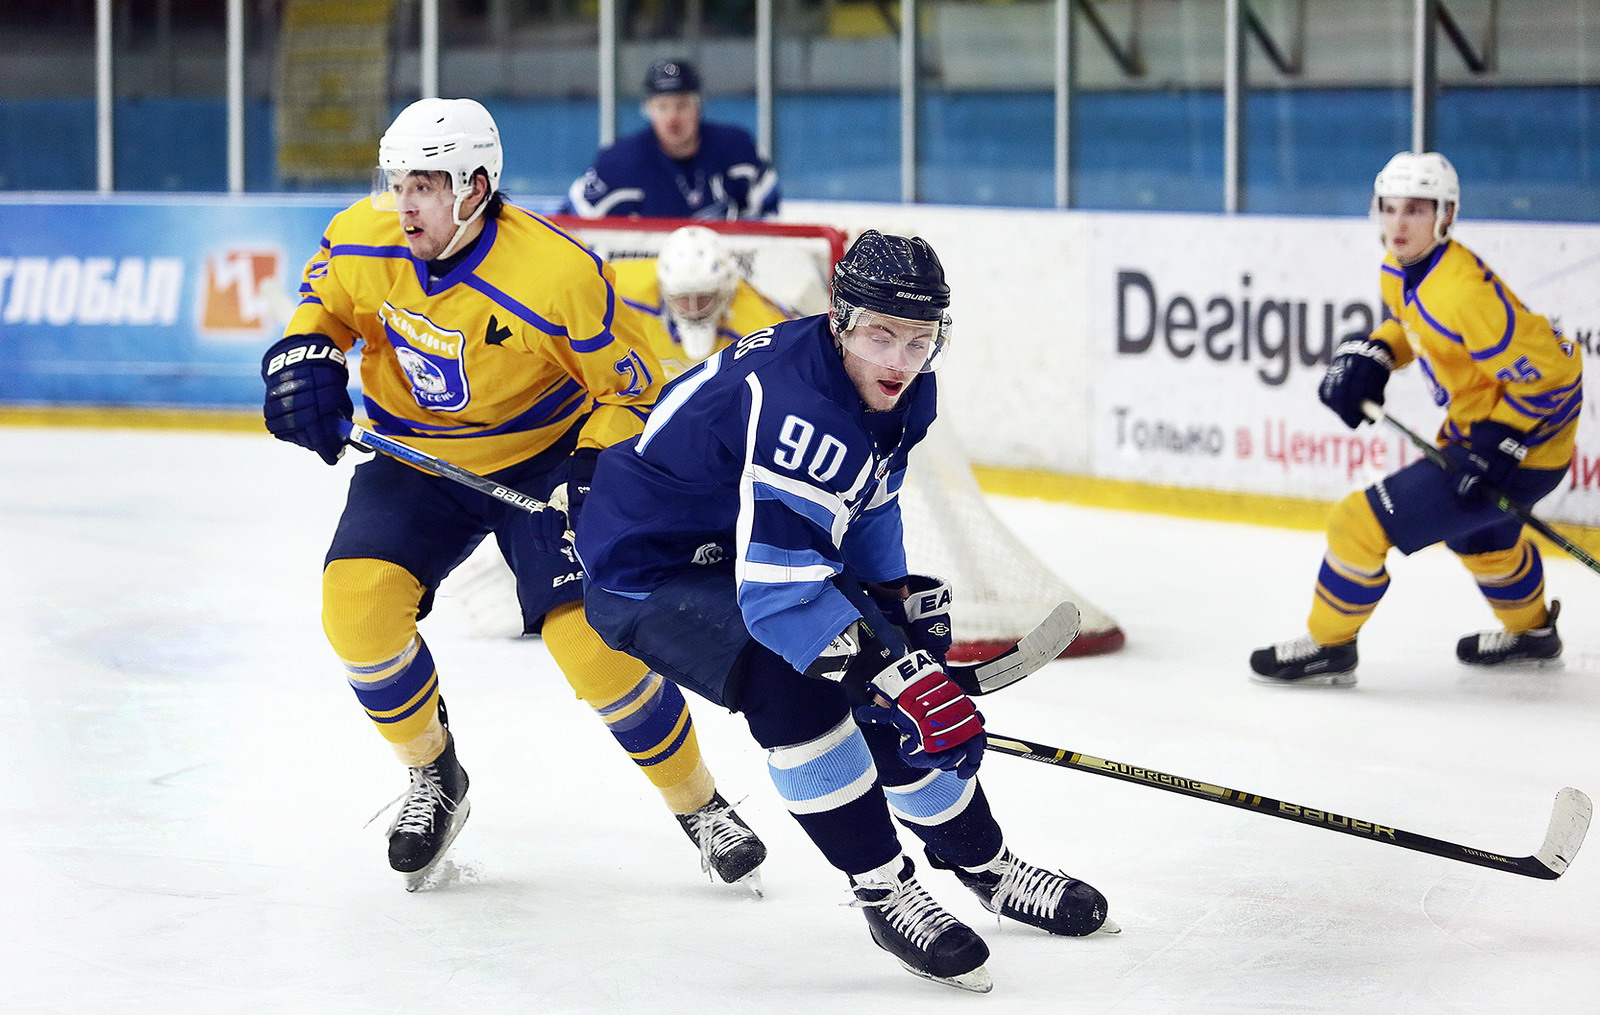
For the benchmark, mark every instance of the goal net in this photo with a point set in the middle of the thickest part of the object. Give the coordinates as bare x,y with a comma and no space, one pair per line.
1002,589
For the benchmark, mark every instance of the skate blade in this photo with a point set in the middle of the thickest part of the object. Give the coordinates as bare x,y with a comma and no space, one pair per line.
977,980
1109,927
1517,665
423,880
752,883
1345,679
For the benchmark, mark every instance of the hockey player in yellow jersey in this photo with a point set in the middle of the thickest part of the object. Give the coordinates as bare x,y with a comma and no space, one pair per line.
490,339
694,297
1512,388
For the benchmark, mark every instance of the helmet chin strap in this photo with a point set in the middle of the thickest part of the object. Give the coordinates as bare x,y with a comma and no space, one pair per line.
461,227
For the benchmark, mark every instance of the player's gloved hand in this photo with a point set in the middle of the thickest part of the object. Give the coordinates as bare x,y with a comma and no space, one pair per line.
1358,373
939,726
919,605
307,395
560,516
1493,451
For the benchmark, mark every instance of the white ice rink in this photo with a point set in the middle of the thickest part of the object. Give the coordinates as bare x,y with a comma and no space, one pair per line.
186,776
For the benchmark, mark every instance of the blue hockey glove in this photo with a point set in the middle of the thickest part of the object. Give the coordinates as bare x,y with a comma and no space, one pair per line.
919,605
939,726
560,516
1358,373
306,379
1493,451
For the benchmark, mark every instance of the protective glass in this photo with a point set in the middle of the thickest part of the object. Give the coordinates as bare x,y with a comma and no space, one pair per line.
410,190
896,342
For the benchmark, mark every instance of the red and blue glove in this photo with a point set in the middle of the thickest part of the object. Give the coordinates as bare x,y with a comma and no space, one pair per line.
939,725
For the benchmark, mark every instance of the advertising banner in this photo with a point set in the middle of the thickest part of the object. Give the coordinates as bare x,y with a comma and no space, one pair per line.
149,302
1210,336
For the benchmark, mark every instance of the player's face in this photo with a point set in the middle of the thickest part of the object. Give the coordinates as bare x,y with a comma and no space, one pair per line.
676,121
1407,224
883,355
426,206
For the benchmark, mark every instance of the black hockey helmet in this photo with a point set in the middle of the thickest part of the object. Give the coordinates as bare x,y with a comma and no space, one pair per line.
887,276
899,276
671,77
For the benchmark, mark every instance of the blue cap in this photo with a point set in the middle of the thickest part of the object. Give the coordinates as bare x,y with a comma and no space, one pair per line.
671,77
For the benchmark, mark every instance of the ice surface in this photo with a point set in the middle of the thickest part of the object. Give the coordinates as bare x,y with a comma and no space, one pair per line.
182,817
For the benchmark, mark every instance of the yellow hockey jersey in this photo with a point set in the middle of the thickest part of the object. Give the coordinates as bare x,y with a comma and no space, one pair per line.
492,363
641,289
1484,354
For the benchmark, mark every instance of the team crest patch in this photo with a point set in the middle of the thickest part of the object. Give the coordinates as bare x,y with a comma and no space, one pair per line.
431,356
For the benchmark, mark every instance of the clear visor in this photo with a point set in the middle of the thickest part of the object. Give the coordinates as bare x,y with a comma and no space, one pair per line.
895,342
411,190
696,306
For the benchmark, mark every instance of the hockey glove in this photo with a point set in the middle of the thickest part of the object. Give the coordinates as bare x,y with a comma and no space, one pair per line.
307,394
560,516
1493,451
919,605
1358,373
939,726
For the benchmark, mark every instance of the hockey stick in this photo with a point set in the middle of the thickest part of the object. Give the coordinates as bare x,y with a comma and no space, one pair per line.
1037,647
1040,645
1568,823
1375,412
361,437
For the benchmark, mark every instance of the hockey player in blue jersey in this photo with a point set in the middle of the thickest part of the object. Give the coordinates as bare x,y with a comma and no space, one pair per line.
680,166
749,547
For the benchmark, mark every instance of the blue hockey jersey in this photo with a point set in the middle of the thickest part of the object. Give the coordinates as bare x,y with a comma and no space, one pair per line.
764,454
726,179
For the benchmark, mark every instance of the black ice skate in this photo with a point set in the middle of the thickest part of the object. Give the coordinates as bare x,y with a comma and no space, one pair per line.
728,847
1045,899
432,811
1540,646
1304,663
906,922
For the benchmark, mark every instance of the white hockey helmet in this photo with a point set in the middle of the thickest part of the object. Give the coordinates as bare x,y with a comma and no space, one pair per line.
1426,175
455,136
698,277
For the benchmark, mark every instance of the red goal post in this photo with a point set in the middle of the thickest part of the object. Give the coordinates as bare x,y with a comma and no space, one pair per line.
788,262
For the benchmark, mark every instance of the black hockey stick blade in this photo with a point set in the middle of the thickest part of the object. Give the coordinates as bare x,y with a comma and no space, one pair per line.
1374,412
1039,646
361,437
1568,823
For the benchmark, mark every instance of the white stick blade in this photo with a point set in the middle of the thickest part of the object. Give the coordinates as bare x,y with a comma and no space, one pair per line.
1036,648
1568,825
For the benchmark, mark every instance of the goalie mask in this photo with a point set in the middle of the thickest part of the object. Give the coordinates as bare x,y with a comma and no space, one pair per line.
889,302
456,137
698,280
1426,175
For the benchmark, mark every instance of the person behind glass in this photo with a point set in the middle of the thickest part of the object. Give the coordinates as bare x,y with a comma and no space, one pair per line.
680,166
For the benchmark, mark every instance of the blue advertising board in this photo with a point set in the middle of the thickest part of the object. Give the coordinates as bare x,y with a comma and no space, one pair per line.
147,301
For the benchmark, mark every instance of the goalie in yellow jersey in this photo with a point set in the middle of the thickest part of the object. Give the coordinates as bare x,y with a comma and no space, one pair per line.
1512,388
695,298
490,339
